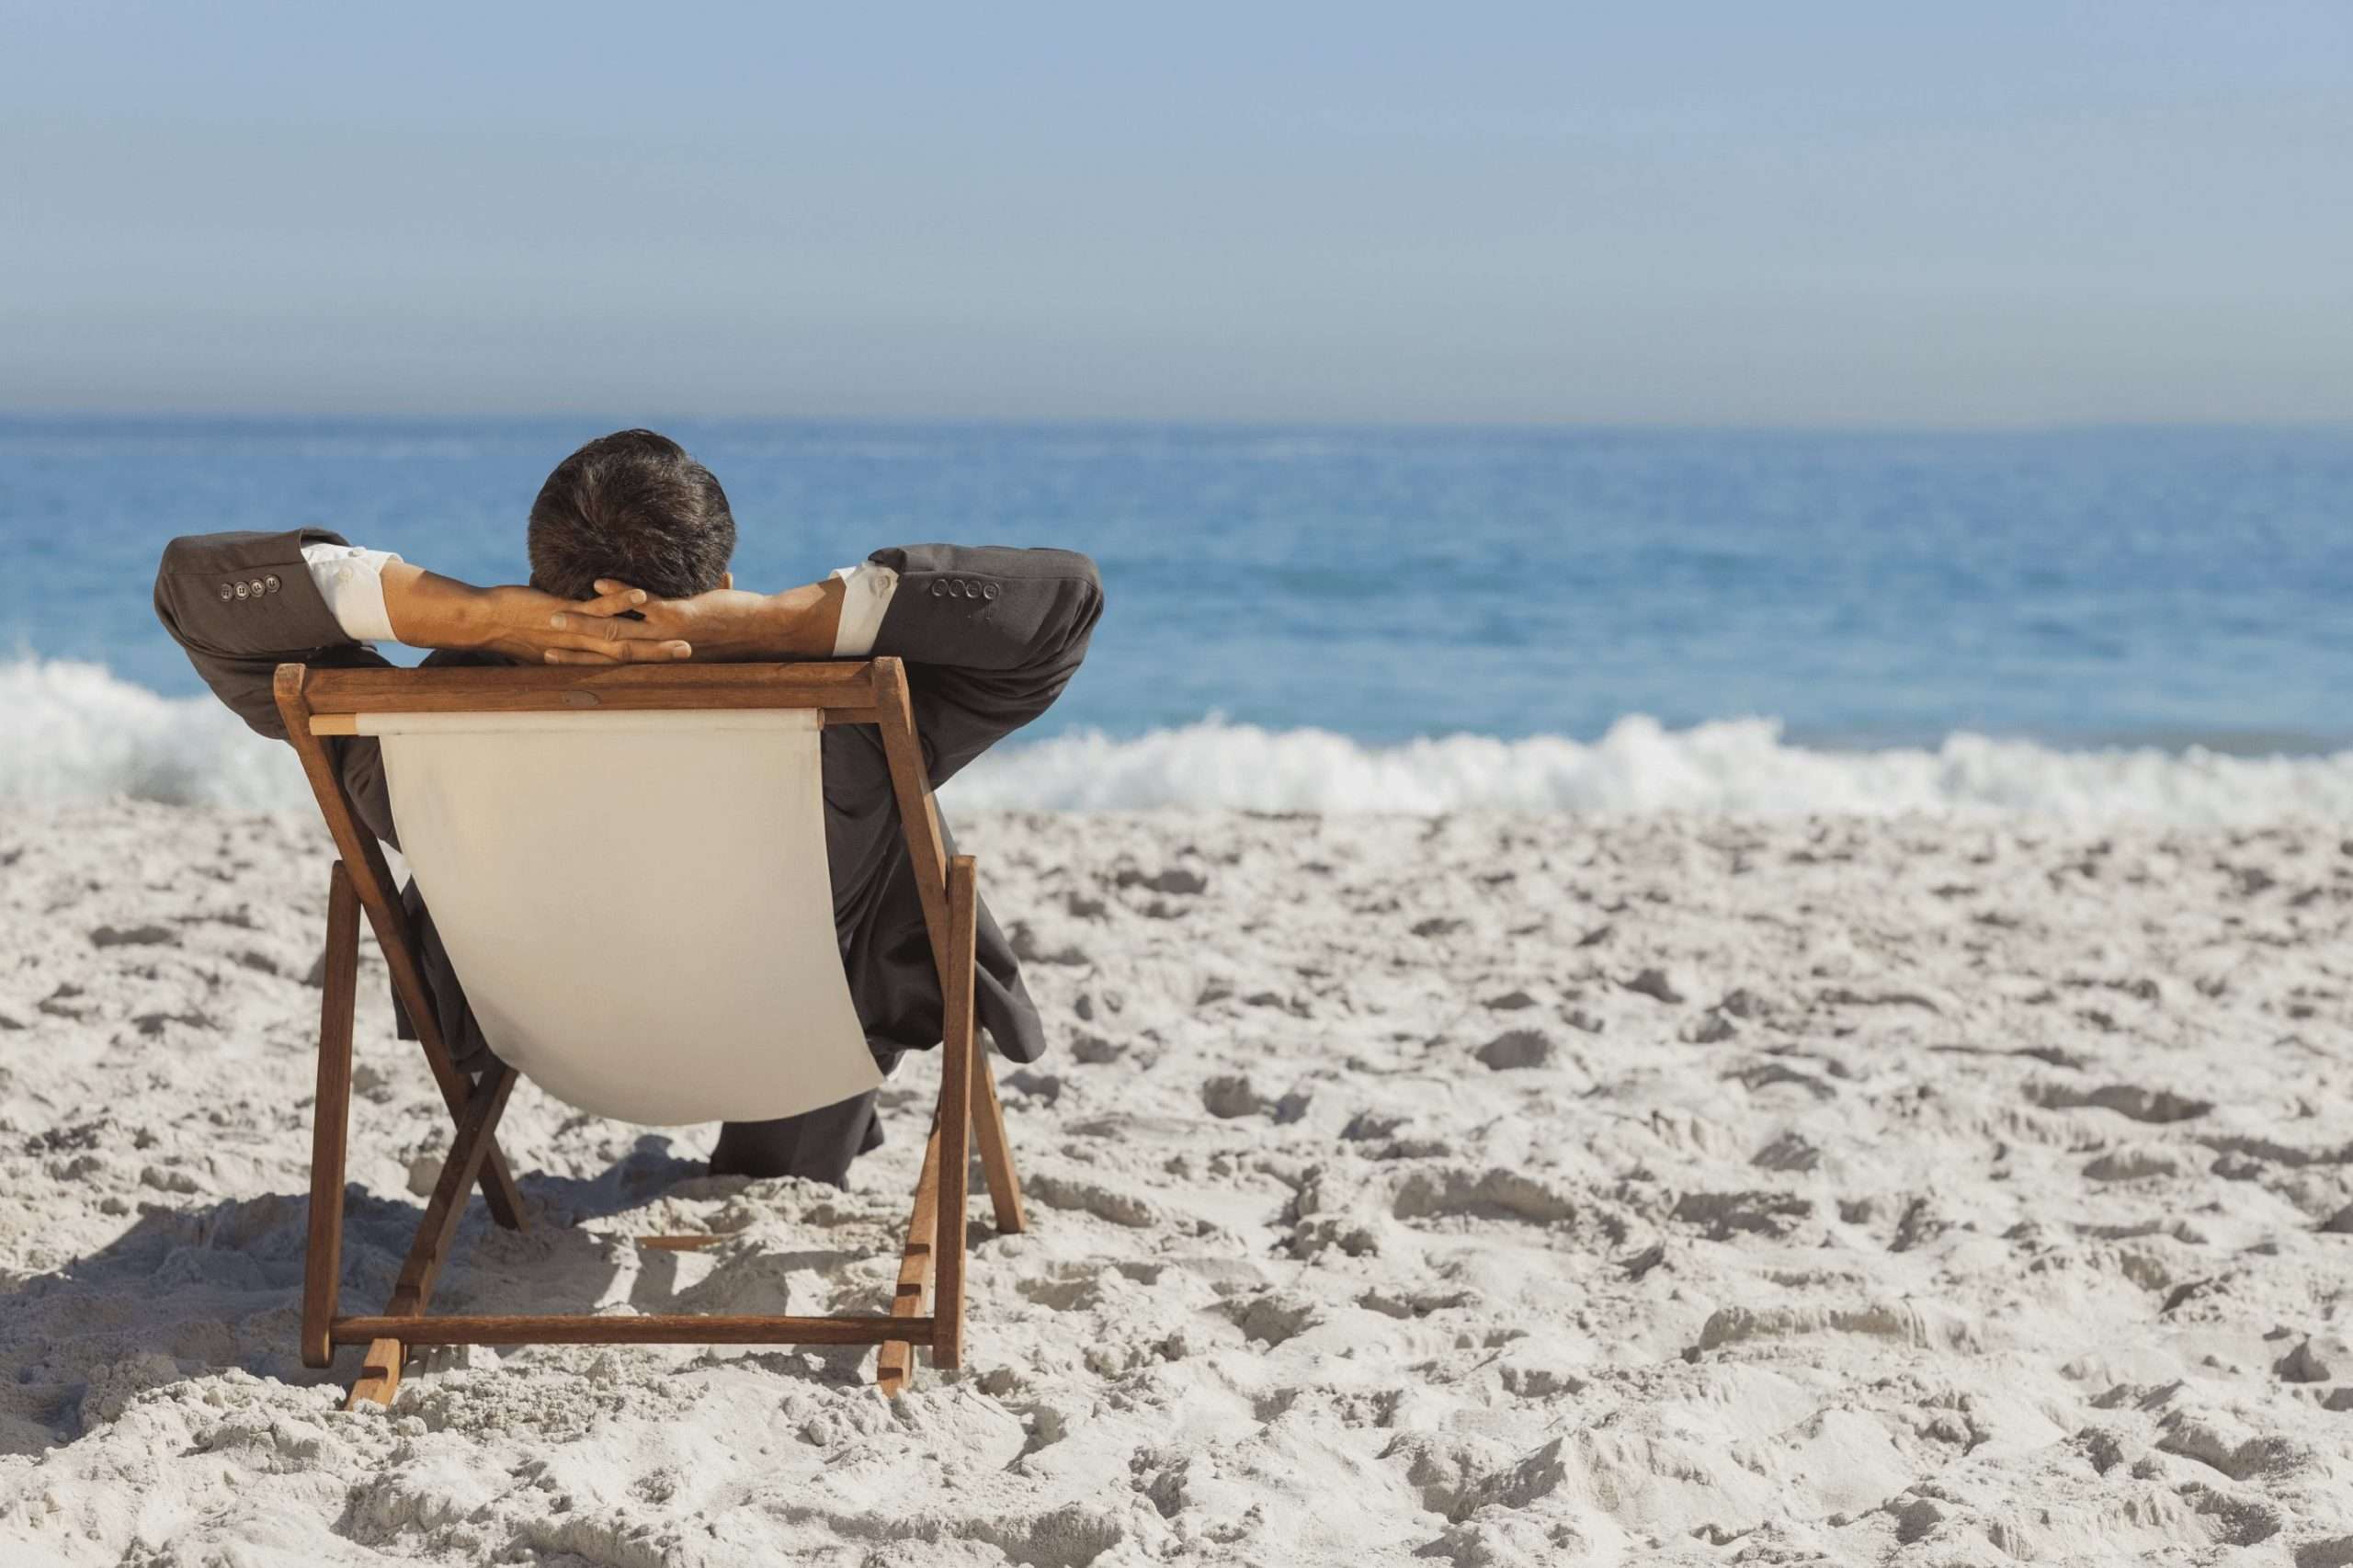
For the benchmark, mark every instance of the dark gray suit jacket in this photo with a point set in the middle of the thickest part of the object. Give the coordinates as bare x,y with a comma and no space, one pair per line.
989,636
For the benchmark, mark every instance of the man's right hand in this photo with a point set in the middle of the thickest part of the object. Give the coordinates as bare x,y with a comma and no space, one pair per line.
431,611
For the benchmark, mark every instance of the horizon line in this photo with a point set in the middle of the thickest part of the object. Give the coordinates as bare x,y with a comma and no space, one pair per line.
166,416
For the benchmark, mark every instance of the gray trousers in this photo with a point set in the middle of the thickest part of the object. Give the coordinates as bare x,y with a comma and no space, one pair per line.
817,1144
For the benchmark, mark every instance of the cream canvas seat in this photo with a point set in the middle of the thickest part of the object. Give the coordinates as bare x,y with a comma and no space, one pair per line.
721,997
718,994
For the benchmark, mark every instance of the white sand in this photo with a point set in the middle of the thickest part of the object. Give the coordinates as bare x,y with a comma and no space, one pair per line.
1488,1191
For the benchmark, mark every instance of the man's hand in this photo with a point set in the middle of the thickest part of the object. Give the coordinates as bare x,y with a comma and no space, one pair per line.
731,624
430,611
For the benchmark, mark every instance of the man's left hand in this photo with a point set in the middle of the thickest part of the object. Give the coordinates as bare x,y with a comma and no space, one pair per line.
428,611
731,624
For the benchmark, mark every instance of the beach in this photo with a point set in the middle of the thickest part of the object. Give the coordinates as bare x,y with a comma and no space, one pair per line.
1491,1187
1655,703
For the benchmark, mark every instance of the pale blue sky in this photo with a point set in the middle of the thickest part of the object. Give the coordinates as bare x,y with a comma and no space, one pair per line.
1802,214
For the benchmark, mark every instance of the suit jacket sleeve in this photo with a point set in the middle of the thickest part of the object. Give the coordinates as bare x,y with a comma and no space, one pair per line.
237,641
990,635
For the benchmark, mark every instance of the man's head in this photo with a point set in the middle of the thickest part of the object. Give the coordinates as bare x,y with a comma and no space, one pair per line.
631,505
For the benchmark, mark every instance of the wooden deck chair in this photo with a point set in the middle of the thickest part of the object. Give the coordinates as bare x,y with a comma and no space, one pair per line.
731,1006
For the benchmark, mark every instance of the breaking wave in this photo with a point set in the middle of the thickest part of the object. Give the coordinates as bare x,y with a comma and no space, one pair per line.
73,732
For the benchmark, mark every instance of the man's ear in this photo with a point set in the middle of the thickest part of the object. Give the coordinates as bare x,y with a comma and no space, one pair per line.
727,579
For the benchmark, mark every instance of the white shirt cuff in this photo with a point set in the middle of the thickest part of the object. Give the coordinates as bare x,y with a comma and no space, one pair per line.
867,590
352,582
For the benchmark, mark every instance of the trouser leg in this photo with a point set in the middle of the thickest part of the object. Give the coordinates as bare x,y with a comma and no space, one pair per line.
817,1145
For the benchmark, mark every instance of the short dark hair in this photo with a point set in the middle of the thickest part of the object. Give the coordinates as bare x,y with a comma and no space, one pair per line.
632,505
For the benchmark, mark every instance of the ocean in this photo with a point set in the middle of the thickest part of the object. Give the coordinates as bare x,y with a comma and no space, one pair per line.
2079,623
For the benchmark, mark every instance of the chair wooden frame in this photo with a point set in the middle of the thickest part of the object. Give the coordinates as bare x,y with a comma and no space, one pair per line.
319,705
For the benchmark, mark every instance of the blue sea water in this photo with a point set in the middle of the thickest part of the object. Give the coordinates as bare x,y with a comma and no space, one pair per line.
1868,593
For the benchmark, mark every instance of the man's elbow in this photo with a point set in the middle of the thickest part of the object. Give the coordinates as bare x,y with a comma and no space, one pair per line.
1066,590
1061,599
176,564
1067,566
1087,594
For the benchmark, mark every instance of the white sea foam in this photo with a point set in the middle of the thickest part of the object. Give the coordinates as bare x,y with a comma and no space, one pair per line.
73,732
1737,766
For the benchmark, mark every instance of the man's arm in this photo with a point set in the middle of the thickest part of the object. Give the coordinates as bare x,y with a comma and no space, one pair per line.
990,635
241,604
425,610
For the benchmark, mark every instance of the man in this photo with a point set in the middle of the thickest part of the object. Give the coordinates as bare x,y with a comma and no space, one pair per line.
629,541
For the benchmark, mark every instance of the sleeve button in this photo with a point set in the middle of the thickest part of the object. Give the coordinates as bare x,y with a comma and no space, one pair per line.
938,588
270,584
243,591
988,590
228,592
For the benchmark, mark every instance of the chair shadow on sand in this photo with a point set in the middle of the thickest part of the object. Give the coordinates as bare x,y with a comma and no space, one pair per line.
189,1292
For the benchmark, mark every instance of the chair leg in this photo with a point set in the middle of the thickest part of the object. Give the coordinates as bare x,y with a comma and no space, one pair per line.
894,1370
996,1152
331,1120
955,1117
380,1374
379,1377
363,861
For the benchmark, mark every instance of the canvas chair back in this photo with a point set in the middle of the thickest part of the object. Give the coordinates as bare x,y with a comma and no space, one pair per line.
636,901
627,866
